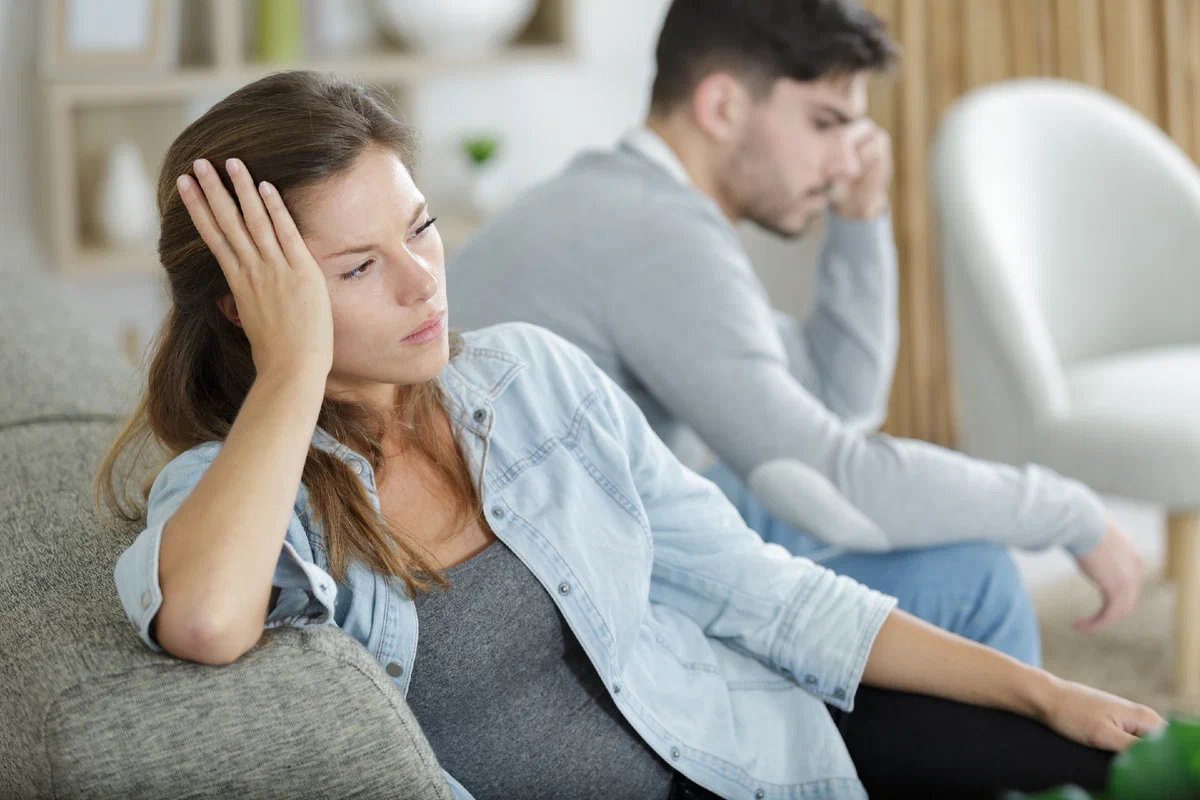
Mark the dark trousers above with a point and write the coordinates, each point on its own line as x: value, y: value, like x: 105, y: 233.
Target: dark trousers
x: 908, y: 745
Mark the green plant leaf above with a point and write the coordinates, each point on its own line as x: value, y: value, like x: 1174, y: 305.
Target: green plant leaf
x: 1161, y: 765
x: 481, y: 149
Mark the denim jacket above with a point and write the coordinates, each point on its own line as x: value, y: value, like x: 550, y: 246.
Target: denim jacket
x: 719, y: 649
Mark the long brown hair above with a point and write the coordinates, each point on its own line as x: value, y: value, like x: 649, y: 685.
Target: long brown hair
x: 292, y: 129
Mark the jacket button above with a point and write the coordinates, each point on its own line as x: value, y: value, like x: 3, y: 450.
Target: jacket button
x: 564, y: 588
x: 395, y: 669
x: 497, y: 512
x: 810, y: 679
x: 146, y: 599
x: 480, y: 416
x: 616, y: 688
x: 356, y: 467
x: 839, y: 693
x: 760, y: 794
x: 675, y: 753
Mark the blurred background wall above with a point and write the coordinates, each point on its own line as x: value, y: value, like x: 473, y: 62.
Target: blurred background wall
x: 1144, y: 51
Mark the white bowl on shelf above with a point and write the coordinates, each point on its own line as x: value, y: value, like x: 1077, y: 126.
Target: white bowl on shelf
x: 454, y: 28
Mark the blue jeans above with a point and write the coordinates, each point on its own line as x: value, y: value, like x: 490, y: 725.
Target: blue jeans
x: 972, y: 589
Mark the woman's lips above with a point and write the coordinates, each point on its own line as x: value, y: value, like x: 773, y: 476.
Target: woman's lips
x: 428, y: 331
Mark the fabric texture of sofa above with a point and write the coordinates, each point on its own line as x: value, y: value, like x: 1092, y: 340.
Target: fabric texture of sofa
x: 85, y: 709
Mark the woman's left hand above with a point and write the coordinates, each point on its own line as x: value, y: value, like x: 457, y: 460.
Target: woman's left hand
x: 1095, y: 718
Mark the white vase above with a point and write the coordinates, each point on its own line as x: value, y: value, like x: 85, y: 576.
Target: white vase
x: 488, y: 190
x: 124, y: 210
x: 454, y: 28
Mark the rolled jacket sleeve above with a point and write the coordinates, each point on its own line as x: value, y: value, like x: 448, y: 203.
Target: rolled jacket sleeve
x: 799, y: 618
x: 306, y: 592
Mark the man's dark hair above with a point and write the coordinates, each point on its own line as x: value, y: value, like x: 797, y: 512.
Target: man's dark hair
x: 761, y: 41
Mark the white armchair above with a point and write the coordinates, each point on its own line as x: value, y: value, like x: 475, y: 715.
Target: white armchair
x: 1070, y: 247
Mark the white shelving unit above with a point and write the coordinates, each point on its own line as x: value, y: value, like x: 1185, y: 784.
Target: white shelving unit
x: 83, y: 114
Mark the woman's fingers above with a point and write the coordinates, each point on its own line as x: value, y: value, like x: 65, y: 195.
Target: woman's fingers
x: 202, y: 217
x: 257, y: 221
x: 1143, y: 721
x: 1116, y: 740
x: 294, y: 249
x: 1125, y: 726
x: 229, y: 218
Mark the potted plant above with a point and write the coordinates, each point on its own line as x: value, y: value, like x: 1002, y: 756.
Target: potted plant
x: 485, y: 191
x: 1162, y: 766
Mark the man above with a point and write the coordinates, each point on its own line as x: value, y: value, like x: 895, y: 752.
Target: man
x: 758, y: 113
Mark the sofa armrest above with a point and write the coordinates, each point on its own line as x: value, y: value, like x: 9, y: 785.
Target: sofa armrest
x: 305, y: 713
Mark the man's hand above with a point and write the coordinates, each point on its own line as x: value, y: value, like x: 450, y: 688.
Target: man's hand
x: 864, y: 195
x: 1116, y: 569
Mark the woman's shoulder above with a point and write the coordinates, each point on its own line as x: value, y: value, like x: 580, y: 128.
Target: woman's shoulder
x: 540, y: 349
x: 185, y: 468
x: 531, y: 366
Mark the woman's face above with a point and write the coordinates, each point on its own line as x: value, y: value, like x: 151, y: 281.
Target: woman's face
x: 371, y: 233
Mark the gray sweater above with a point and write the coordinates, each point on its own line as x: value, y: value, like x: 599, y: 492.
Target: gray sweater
x: 621, y: 256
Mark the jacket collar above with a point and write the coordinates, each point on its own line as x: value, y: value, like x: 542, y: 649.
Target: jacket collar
x: 472, y: 380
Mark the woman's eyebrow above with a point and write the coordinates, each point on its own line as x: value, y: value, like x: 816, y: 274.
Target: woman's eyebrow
x: 363, y: 248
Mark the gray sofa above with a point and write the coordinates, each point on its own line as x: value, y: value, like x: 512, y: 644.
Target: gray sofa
x: 85, y: 709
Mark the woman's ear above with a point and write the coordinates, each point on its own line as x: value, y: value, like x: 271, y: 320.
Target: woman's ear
x: 228, y: 307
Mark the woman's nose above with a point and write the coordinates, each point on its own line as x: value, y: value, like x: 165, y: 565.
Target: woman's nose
x: 415, y: 282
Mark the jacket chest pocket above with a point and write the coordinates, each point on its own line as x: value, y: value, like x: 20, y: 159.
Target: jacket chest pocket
x: 588, y: 533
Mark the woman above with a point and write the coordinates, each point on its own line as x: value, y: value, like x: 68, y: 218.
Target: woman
x: 595, y: 620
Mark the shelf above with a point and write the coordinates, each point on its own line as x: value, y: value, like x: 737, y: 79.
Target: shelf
x: 84, y: 113
x: 111, y: 262
x: 397, y: 67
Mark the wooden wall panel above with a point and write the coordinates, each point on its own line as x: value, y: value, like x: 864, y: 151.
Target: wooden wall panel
x: 1146, y: 52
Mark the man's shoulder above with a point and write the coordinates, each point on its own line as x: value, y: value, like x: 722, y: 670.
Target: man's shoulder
x: 600, y: 188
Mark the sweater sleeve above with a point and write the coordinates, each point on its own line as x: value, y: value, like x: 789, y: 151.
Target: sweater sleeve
x: 692, y: 322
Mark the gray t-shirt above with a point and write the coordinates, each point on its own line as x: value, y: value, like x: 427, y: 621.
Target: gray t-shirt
x: 508, y: 699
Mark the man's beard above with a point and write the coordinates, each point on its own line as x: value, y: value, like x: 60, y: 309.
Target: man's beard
x: 758, y: 193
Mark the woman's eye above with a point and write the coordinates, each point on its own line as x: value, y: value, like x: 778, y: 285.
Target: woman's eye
x: 422, y: 230
x: 358, y: 271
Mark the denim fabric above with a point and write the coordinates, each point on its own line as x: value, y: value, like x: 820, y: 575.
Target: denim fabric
x: 972, y: 589
x: 719, y: 649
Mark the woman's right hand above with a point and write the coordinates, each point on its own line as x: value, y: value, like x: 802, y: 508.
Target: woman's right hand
x: 281, y: 298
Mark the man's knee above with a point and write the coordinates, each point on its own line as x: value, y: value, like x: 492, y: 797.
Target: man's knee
x: 1003, y: 615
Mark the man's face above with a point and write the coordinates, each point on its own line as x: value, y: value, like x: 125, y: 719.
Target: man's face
x: 797, y: 142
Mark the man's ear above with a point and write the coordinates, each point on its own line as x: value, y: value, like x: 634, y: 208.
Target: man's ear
x: 228, y: 307
x: 720, y: 105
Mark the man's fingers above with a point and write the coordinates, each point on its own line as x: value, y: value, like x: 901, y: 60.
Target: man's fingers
x: 1097, y: 620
